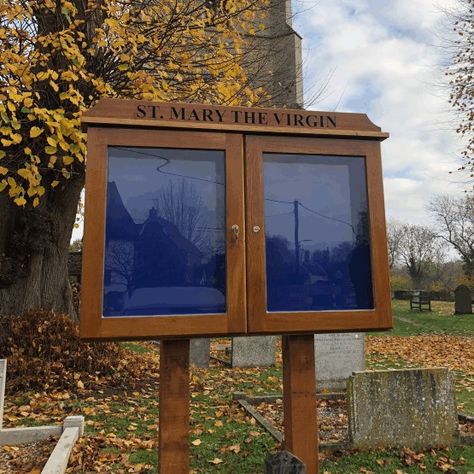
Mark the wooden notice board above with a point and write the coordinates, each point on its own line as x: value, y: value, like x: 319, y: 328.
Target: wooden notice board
x: 208, y: 220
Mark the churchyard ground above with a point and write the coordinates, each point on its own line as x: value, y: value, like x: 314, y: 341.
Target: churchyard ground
x: 121, y: 419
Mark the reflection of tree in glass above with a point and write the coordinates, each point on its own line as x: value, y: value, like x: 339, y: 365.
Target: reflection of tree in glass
x: 119, y: 259
x: 181, y: 204
x: 363, y: 229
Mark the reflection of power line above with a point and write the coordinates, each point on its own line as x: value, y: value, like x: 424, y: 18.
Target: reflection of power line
x: 187, y: 177
x: 278, y: 201
x: 281, y: 214
x: 335, y: 219
x: 300, y: 204
x: 168, y: 161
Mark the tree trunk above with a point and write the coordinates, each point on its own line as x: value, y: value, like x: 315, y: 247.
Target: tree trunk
x: 34, y: 249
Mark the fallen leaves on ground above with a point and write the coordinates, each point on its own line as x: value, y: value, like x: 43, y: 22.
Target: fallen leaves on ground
x: 332, y: 418
x: 454, y: 352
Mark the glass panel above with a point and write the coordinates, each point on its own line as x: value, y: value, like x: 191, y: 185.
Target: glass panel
x: 316, y: 233
x: 165, y: 232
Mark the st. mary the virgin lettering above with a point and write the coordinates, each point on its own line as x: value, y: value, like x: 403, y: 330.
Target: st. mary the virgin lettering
x: 236, y: 116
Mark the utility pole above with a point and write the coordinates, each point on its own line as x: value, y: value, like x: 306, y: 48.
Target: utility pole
x: 297, y: 240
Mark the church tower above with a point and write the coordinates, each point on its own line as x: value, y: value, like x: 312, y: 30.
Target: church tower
x: 278, y: 56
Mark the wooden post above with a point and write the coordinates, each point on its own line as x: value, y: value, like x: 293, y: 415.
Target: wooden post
x: 299, y: 399
x: 174, y: 407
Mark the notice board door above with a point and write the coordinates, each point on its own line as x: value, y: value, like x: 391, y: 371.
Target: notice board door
x: 164, y: 232
x: 316, y: 238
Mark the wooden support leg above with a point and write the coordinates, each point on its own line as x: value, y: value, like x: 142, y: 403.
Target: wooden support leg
x: 299, y: 399
x: 174, y: 407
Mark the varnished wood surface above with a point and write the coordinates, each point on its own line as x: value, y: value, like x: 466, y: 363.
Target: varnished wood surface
x: 299, y: 400
x: 136, y: 113
x: 174, y: 407
x: 245, y: 261
x: 263, y: 322
x: 92, y: 324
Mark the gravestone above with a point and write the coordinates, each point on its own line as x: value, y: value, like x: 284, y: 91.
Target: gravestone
x: 415, y: 408
x: 199, y: 352
x: 3, y: 380
x: 462, y: 300
x: 257, y: 351
x: 337, y: 356
x: 284, y: 462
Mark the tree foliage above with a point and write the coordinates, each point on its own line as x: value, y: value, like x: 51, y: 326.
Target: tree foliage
x: 455, y: 225
x: 417, y: 248
x: 395, y: 231
x: 60, y: 56
x: 461, y: 78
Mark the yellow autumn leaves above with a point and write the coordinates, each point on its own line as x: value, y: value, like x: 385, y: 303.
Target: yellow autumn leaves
x: 50, y: 75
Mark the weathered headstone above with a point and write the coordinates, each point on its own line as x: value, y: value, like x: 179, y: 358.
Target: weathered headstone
x: 199, y: 352
x: 337, y: 356
x: 284, y: 462
x: 462, y: 300
x: 3, y: 380
x: 258, y: 351
x: 415, y: 408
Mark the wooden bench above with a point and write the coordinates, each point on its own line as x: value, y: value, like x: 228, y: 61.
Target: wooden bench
x: 420, y: 300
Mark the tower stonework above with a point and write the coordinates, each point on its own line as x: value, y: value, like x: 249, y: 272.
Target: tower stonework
x: 282, y: 55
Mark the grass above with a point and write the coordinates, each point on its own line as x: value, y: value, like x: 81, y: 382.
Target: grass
x: 465, y: 400
x: 440, y: 320
x: 390, y: 461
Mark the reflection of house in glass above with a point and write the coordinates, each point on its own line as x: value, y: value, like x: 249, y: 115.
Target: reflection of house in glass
x: 151, y: 268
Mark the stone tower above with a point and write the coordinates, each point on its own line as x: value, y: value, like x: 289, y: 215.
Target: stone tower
x: 276, y: 63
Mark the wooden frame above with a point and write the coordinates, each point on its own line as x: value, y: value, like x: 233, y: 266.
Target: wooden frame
x: 262, y: 321
x: 92, y: 323
x: 244, y: 134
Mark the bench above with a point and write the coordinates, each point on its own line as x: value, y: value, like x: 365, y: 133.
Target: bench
x: 420, y: 300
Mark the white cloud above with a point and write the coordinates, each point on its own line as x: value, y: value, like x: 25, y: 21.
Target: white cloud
x: 385, y: 58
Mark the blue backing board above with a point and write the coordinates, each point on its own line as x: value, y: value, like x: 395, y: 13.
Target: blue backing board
x: 165, y: 232
x: 316, y: 233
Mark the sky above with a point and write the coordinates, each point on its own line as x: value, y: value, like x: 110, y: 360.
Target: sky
x: 387, y: 58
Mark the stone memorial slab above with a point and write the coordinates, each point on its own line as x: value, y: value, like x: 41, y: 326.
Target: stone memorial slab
x: 337, y: 356
x: 200, y: 352
x: 259, y: 351
x: 3, y: 380
x: 462, y: 300
x: 415, y: 408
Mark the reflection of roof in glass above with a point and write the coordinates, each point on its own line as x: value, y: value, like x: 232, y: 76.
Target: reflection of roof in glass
x: 154, y: 222
x: 120, y: 225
